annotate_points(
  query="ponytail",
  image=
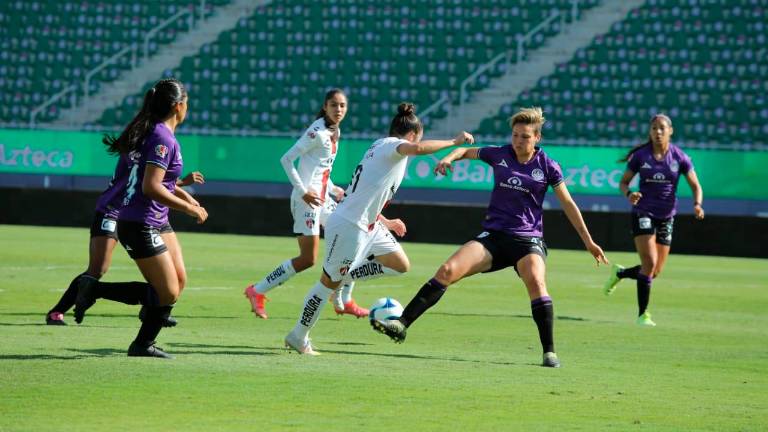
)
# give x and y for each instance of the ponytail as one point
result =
(157, 106)
(405, 121)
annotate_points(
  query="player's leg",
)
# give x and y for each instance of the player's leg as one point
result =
(532, 271)
(641, 225)
(174, 249)
(344, 241)
(663, 244)
(469, 259)
(646, 249)
(99, 258)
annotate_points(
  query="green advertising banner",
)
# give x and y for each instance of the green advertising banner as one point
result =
(587, 170)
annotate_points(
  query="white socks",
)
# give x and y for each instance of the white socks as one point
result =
(368, 270)
(346, 292)
(282, 273)
(313, 305)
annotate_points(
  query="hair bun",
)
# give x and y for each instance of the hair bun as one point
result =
(406, 109)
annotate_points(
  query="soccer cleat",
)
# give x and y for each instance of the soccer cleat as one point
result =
(257, 301)
(613, 280)
(86, 296)
(55, 318)
(300, 346)
(550, 360)
(167, 321)
(351, 308)
(392, 328)
(645, 320)
(336, 301)
(140, 350)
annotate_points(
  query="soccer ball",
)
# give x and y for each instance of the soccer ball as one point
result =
(385, 308)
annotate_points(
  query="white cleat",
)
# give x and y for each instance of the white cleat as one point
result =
(300, 346)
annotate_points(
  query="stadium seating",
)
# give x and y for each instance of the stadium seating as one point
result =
(702, 62)
(47, 45)
(270, 73)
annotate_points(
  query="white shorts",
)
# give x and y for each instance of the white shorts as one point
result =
(346, 243)
(307, 220)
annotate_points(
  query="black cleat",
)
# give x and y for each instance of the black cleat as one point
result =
(55, 318)
(550, 360)
(392, 328)
(167, 321)
(140, 350)
(86, 296)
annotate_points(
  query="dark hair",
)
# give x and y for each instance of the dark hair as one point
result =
(157, 106)
(405, 121)
(639, 146)
(328, 96)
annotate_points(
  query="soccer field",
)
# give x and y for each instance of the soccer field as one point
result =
(471, 363)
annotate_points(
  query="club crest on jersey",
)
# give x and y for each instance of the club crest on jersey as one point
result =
(161, 150)
(674, 166)
(537, 174)
(311, 135)
(344, 270)
(310, 223)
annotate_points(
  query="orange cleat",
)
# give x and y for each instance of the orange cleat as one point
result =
(351, 308)
(257, 301)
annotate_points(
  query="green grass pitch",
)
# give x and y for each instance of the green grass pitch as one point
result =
(470, 363)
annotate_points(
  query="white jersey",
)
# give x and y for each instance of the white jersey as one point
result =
(374, 183)
(316, 150)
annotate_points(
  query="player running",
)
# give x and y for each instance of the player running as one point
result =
(312, 200)
(513, 229)
(355, 231)
(659, 164)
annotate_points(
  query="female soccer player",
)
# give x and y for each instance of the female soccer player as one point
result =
(659, 164)
(513, 228)
(311, 200)
(354, 231)
(104, 238)
(143, 227)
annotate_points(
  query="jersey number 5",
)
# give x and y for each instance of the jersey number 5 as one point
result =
(356, 177)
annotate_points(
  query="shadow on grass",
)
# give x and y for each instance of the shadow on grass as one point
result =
(114, 315)
(81, 354)
(483, 315)
(214, 349)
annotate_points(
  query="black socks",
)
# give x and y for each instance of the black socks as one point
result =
(543, 314)
(128, 292)
(629, 273)
(152, 324)
(643, 292)
(428, 296)
(68, 298)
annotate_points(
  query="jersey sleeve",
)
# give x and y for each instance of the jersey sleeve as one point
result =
(633, 164)
(554, 173)
(686, 164)
(160, 152)
(302, 145)
(487, 154)
(392, 152)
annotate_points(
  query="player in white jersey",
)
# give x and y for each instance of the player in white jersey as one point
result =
(358, 245)
(312, 199)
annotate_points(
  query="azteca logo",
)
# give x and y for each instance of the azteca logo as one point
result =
(537, 174)
(659, 176)
(514, 181)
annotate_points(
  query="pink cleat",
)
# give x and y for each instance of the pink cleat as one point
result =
(351, 308)
(257, 301)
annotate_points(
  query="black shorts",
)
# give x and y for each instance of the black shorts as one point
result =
(103, 226)
(642, 224)
(508, 249)
(142, 241)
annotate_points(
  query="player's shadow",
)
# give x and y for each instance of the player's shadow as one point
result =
(80, 354)
(209, 349)
(486, 315)
(120, 315)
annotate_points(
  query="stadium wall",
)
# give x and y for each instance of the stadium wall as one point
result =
(715, 235)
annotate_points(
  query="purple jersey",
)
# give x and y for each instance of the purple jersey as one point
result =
(658, 179)
(518, 190)
(111, 200)
(161, 149)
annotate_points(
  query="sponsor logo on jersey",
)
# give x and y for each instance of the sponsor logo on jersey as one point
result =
(275, 274)
(674, 166)
(658, 178)
(367, 269)
(309, 310)
(161, 150)
(646, 165)
(503, 163)
(514, 183)
(537, 174)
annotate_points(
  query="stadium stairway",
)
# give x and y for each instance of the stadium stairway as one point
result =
(168, 57)
(540, 62)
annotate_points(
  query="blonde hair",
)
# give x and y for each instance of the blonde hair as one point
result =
(529, 116)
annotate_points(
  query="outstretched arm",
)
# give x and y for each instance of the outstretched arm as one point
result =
(574, 216)
(460, 153)
(432, 146)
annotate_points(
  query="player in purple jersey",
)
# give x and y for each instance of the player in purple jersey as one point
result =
(659, 165)
(103, 236)
(143, 227)
(513, 229)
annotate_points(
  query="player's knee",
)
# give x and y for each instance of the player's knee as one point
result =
(447, 273)
(182, 278)
(403, 266)
(304, 263)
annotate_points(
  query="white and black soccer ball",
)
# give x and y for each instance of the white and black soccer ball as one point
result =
(385, 308)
